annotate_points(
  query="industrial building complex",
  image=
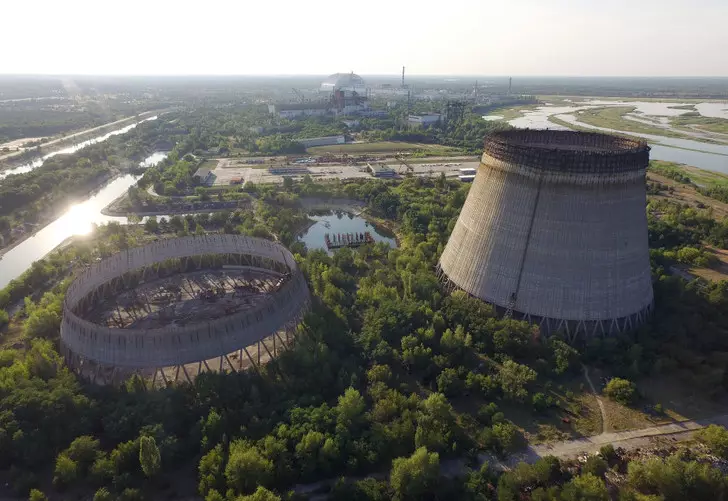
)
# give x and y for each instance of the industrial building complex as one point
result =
(174, 308)
(554, 231)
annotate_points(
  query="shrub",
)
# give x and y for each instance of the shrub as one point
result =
(608, 453)
(715, 438)
(36, 495)
(596, 466)
(621, 390)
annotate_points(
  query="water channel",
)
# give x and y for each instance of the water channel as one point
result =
(342, 222)
(70, 149)
(78, 220)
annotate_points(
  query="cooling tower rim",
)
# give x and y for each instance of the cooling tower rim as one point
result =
(568, 152)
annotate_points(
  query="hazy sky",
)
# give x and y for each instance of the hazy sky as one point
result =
(465, 37)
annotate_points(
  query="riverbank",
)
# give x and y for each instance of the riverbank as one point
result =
(14, 160)
(50, 214)
(118, 207)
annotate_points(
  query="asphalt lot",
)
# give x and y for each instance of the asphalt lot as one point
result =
(228, 170)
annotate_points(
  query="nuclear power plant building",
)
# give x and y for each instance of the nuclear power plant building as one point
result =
(554, 231)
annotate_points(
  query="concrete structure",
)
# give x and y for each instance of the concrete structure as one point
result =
(293, 110)
(108, 355)
(378, 170)
(348, 82)
(554, 231)
(425, 120)
(205, 176)
(322, 141)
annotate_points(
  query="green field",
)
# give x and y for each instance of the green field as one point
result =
(384, 147)
(688, 174)
(683, 107)
(710, 124)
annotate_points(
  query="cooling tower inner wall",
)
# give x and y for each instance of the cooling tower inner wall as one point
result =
(556, 240)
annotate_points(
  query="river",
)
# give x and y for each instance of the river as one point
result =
(77, 220)
(70, 149)
(706, 156)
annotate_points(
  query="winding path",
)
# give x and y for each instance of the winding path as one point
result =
(602, 409)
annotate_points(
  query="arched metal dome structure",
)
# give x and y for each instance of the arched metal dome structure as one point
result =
(350, 82)
(183, 349)
(554, 231)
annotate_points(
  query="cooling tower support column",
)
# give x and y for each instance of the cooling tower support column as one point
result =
(554, 231)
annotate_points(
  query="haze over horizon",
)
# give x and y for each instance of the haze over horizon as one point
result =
(461, 37)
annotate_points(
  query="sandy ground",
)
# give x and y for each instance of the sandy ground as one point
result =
(229, 169)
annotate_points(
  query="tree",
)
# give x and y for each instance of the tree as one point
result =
(43, 323)
(449, 383)
(65, 472)
(36, 495)
(103, 494)
(415, 477)
(4, 318)
(513, 378)
(507, 436)
(149, 457)
(350, 410)
(151, 225)
(84, 450)
(247, 468)
(621, 390)
(212, 470)
(715, 438)
(260, 494)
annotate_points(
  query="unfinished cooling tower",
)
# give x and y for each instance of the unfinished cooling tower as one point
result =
(554, 231)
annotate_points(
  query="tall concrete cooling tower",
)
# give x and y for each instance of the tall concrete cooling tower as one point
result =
(554, 231)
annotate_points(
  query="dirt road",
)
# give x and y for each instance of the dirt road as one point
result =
(626, 439)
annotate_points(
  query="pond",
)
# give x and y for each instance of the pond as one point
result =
(342, 222)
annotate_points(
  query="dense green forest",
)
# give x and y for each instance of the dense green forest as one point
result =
(390, 375)
(392, 381)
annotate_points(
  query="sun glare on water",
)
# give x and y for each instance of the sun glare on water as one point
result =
(77, 221)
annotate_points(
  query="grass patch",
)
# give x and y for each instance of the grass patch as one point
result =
(679, 399)
(687, 174)
(621, 417)
(710, 124)
(385, 147)
(690, 107)
(209, 164)
(575, 414)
